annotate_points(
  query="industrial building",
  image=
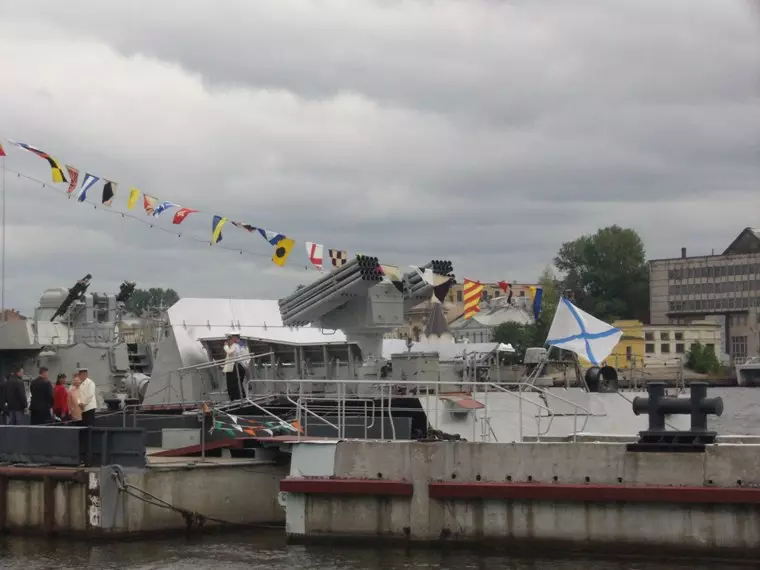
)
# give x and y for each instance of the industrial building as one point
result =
(722, 288)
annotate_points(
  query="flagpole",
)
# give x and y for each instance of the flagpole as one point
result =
(2, 255)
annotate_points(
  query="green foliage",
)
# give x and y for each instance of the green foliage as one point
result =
(608, 274)
(146, 301)
(701, 359)
(519, 336)
(522, 337)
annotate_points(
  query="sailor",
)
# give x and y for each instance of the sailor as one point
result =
(234, 370)
(87, 398)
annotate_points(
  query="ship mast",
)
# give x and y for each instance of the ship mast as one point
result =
(2, 254)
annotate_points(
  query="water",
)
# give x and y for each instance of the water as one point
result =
(267, 550)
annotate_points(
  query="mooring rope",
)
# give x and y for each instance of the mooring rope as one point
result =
(193, 519)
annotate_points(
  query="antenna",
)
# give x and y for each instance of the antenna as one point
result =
(2, 263)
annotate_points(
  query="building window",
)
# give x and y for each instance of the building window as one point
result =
(649, 348)
(680, 348)
(679, 336)
(649, 336)
(459, 296)
(710, 346)
(665, 348)
(664, 336)
(739, 346)
(628, 353)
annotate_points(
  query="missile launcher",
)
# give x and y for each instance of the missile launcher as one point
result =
(355, 299)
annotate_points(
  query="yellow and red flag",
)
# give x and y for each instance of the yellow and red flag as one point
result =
(472, 292)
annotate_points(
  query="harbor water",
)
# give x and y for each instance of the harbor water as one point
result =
(267, 549)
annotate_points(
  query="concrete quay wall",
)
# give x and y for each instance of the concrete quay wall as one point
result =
(594, 494)
(109, 501)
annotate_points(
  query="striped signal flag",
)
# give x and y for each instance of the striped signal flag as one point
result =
(472, 292)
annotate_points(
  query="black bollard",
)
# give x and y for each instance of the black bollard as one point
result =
(657, 406)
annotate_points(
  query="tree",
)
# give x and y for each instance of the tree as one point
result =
(607, 273)
(145, 301)
(518, 335)
(522, 337)
(701, 359)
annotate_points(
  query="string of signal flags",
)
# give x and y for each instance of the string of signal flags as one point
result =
(81, 187)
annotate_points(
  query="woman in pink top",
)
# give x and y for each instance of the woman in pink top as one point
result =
(74, 410)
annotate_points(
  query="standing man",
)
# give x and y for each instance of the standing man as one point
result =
(234, 370)
(87, 398)
(41, 406)
(15, 397)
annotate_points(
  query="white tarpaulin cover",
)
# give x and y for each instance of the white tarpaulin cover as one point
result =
(581, 333)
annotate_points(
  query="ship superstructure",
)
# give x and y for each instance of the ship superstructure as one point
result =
(74, 328)
(320, 354)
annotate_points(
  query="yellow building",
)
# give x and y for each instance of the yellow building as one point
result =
(490, 290)
(653, 345)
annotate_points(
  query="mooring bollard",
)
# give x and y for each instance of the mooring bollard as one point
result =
(657, 406)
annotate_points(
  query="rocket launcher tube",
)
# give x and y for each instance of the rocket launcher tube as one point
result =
(327, 277)
(365, 267)
(329, 281)
(415, 282)
(311, 291)
(364, 275)
(330, 301)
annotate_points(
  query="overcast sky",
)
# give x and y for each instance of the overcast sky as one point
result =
(484, 132)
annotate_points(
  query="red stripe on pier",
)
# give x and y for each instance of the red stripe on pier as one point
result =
(346, 487)
(594, 493)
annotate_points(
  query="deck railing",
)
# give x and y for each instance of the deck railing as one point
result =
(377, 399)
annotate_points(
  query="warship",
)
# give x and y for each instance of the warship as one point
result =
(73, 328)
(318, 357)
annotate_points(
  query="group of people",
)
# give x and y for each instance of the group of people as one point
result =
(48, 404)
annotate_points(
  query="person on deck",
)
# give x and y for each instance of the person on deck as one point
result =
(234, 369)
(87, 398)
(15, 397)
(73, 401)
(61, 398)
(41, 405)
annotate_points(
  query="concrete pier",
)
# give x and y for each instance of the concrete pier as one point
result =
(171, 494)
(591, 494)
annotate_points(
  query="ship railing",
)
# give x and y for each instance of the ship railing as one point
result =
(318, 405)
(386, 390)
(522, 386)
(219, 363)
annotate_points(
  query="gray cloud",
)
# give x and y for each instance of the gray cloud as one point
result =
(483, 132)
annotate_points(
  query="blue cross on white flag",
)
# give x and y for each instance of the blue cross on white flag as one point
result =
(272, 237)
(581, 333)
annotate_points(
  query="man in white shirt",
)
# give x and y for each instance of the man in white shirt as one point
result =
(234, 371)
(87, 398)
